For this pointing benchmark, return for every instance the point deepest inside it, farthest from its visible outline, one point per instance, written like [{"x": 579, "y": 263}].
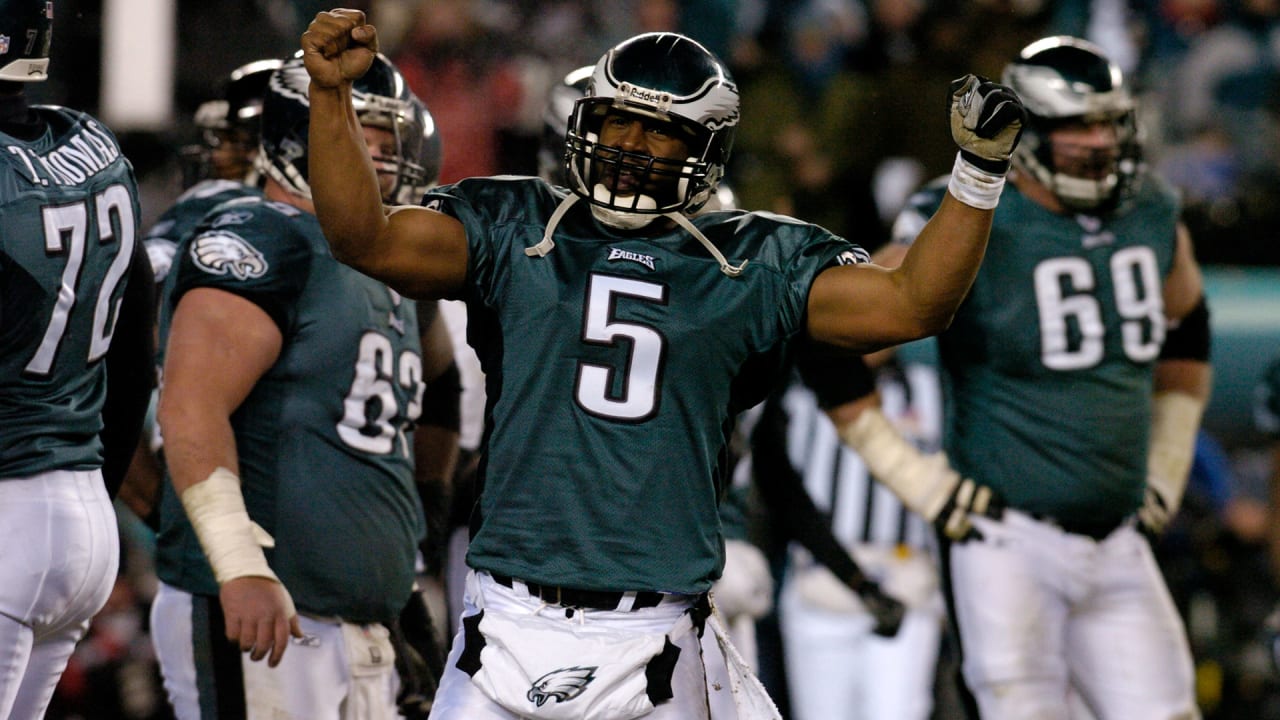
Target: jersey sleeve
[
  {"x": 251, "y": 250},
  {"x": 809, "y": 250}
]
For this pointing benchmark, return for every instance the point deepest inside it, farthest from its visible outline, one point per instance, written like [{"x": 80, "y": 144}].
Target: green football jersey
[
  {"x": 615, "y": 367},
  {"x": 326, "y": 460},
  {"x": 1048, "y": 364},
  {"x": 68, "y": 230},
  {"x": 162, "y": 238}
]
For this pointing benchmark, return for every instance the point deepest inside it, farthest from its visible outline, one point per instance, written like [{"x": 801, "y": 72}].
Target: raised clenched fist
[
  {"x": 986, "y": 121},
  {"x": 338, "y": 47}
]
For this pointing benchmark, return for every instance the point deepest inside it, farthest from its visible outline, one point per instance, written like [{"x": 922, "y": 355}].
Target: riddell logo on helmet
[{"x": 654, "y": 98}]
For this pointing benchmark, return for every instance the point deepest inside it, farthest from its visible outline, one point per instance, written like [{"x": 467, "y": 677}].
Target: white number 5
[{"x": 639, "y": 393}]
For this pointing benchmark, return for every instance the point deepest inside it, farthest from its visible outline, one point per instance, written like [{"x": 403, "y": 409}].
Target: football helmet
[
  {"x": 1064, "y": 80},
  {"x": 668, "y": 77},
  {"x": 229, "y": 126},
  {"x": 26, "y": 31},
  {"x": 381, "y": 99}
]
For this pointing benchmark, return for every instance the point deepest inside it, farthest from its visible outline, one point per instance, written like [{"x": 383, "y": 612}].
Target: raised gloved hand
[{"x": 986, "y": 122}]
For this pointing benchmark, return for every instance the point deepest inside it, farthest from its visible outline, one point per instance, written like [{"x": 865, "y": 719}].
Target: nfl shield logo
[{"x": 4, "y": 44}]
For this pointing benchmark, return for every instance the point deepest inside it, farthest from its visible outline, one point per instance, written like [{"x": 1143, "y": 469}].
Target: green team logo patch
[{"x": 225, "y": 253}]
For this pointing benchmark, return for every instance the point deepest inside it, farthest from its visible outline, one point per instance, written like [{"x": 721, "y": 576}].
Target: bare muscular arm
[{"x": 419, "y": 252}]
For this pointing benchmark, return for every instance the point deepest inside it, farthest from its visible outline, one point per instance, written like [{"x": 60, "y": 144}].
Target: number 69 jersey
[
  {"x": 615, "y": 366},
  {"x": 68, "y": 224},
  {"x": 1049, "y": 362},
  {"x": 326, "y": 462}
]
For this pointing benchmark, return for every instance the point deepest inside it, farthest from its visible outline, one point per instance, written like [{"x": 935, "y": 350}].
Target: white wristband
[
  {"x": 1175, "y": 422},
  {"x": 232, "y": 542},
  {"x": 922, "y": 482},
  {"x": 974, "y": 186}
]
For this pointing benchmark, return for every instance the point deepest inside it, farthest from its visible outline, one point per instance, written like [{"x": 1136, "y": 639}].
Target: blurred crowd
[{"x": 845, "y": 119}]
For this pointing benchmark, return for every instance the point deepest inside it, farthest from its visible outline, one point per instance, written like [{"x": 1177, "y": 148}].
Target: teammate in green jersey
[
  {"x": 620, "y": 334},
  {"x": 291, "y": 389},
  {"x": 75, "y": 360},
  {"x": 220, "y": 169},
  {"x": 1075, "y": 374}
]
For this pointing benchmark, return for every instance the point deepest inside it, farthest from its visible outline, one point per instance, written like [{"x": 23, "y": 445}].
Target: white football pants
[
  {"x": 458, "y": 698},
  {"x": 837, "y": 669},
  {"x": 329, "y": 674},
  {"x": 61, "y": 553},
  {"x": 1040, "y": 609}
]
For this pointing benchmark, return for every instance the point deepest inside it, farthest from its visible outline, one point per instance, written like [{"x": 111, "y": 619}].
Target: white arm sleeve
[
  {"x": 1175, "y": 422},
  {"x": 924, "y": 483}
]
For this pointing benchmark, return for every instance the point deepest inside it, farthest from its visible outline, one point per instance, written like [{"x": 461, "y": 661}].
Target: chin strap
[
  {"x": 725, "y": 267},
  {"x": 544, "y": 246}
]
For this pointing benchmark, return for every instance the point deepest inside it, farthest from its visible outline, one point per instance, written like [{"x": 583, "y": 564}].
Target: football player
[
  {"x": 620, "y": 334},
  {"x": 744, "y": 592},
  {"x": 1076, "y": 374},
  {"x": 220, "y": 168},
  {"x": 75, "y": 308},
  {"x": 290, "y": 390}
]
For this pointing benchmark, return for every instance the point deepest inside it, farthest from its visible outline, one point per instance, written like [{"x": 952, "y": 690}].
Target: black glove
[
  {"x": 417, "y": 688},
  {"x": 886, "y": 609},
  {"x": 986, "y": 121},
  {"x": 419, "y": 658},
  {"x": 1153, "y": 516}
]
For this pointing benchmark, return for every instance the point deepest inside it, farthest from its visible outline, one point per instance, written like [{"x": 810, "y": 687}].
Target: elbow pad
[
  {"x": 1190, "y": 338},
  {"x": 836, "y": 376},
  {"x": 442, "y": 400}
]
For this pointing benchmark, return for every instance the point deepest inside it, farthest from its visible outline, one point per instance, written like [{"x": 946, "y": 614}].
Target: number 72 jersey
[{"x": 68, "y": 226}]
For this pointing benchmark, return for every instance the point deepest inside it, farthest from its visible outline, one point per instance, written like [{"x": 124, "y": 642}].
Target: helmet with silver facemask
[
  {"x": 665, "y": 77},
  {"x": 1063, "y": 80}
]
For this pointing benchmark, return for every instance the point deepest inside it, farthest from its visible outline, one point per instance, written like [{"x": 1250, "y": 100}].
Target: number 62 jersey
[
  {"x": 323, "y": 441},
  {"x": 68, "y": 225}
]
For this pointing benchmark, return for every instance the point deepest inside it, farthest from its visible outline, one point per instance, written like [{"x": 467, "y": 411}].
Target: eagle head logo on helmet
[{"x": 381, "y": 98}]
